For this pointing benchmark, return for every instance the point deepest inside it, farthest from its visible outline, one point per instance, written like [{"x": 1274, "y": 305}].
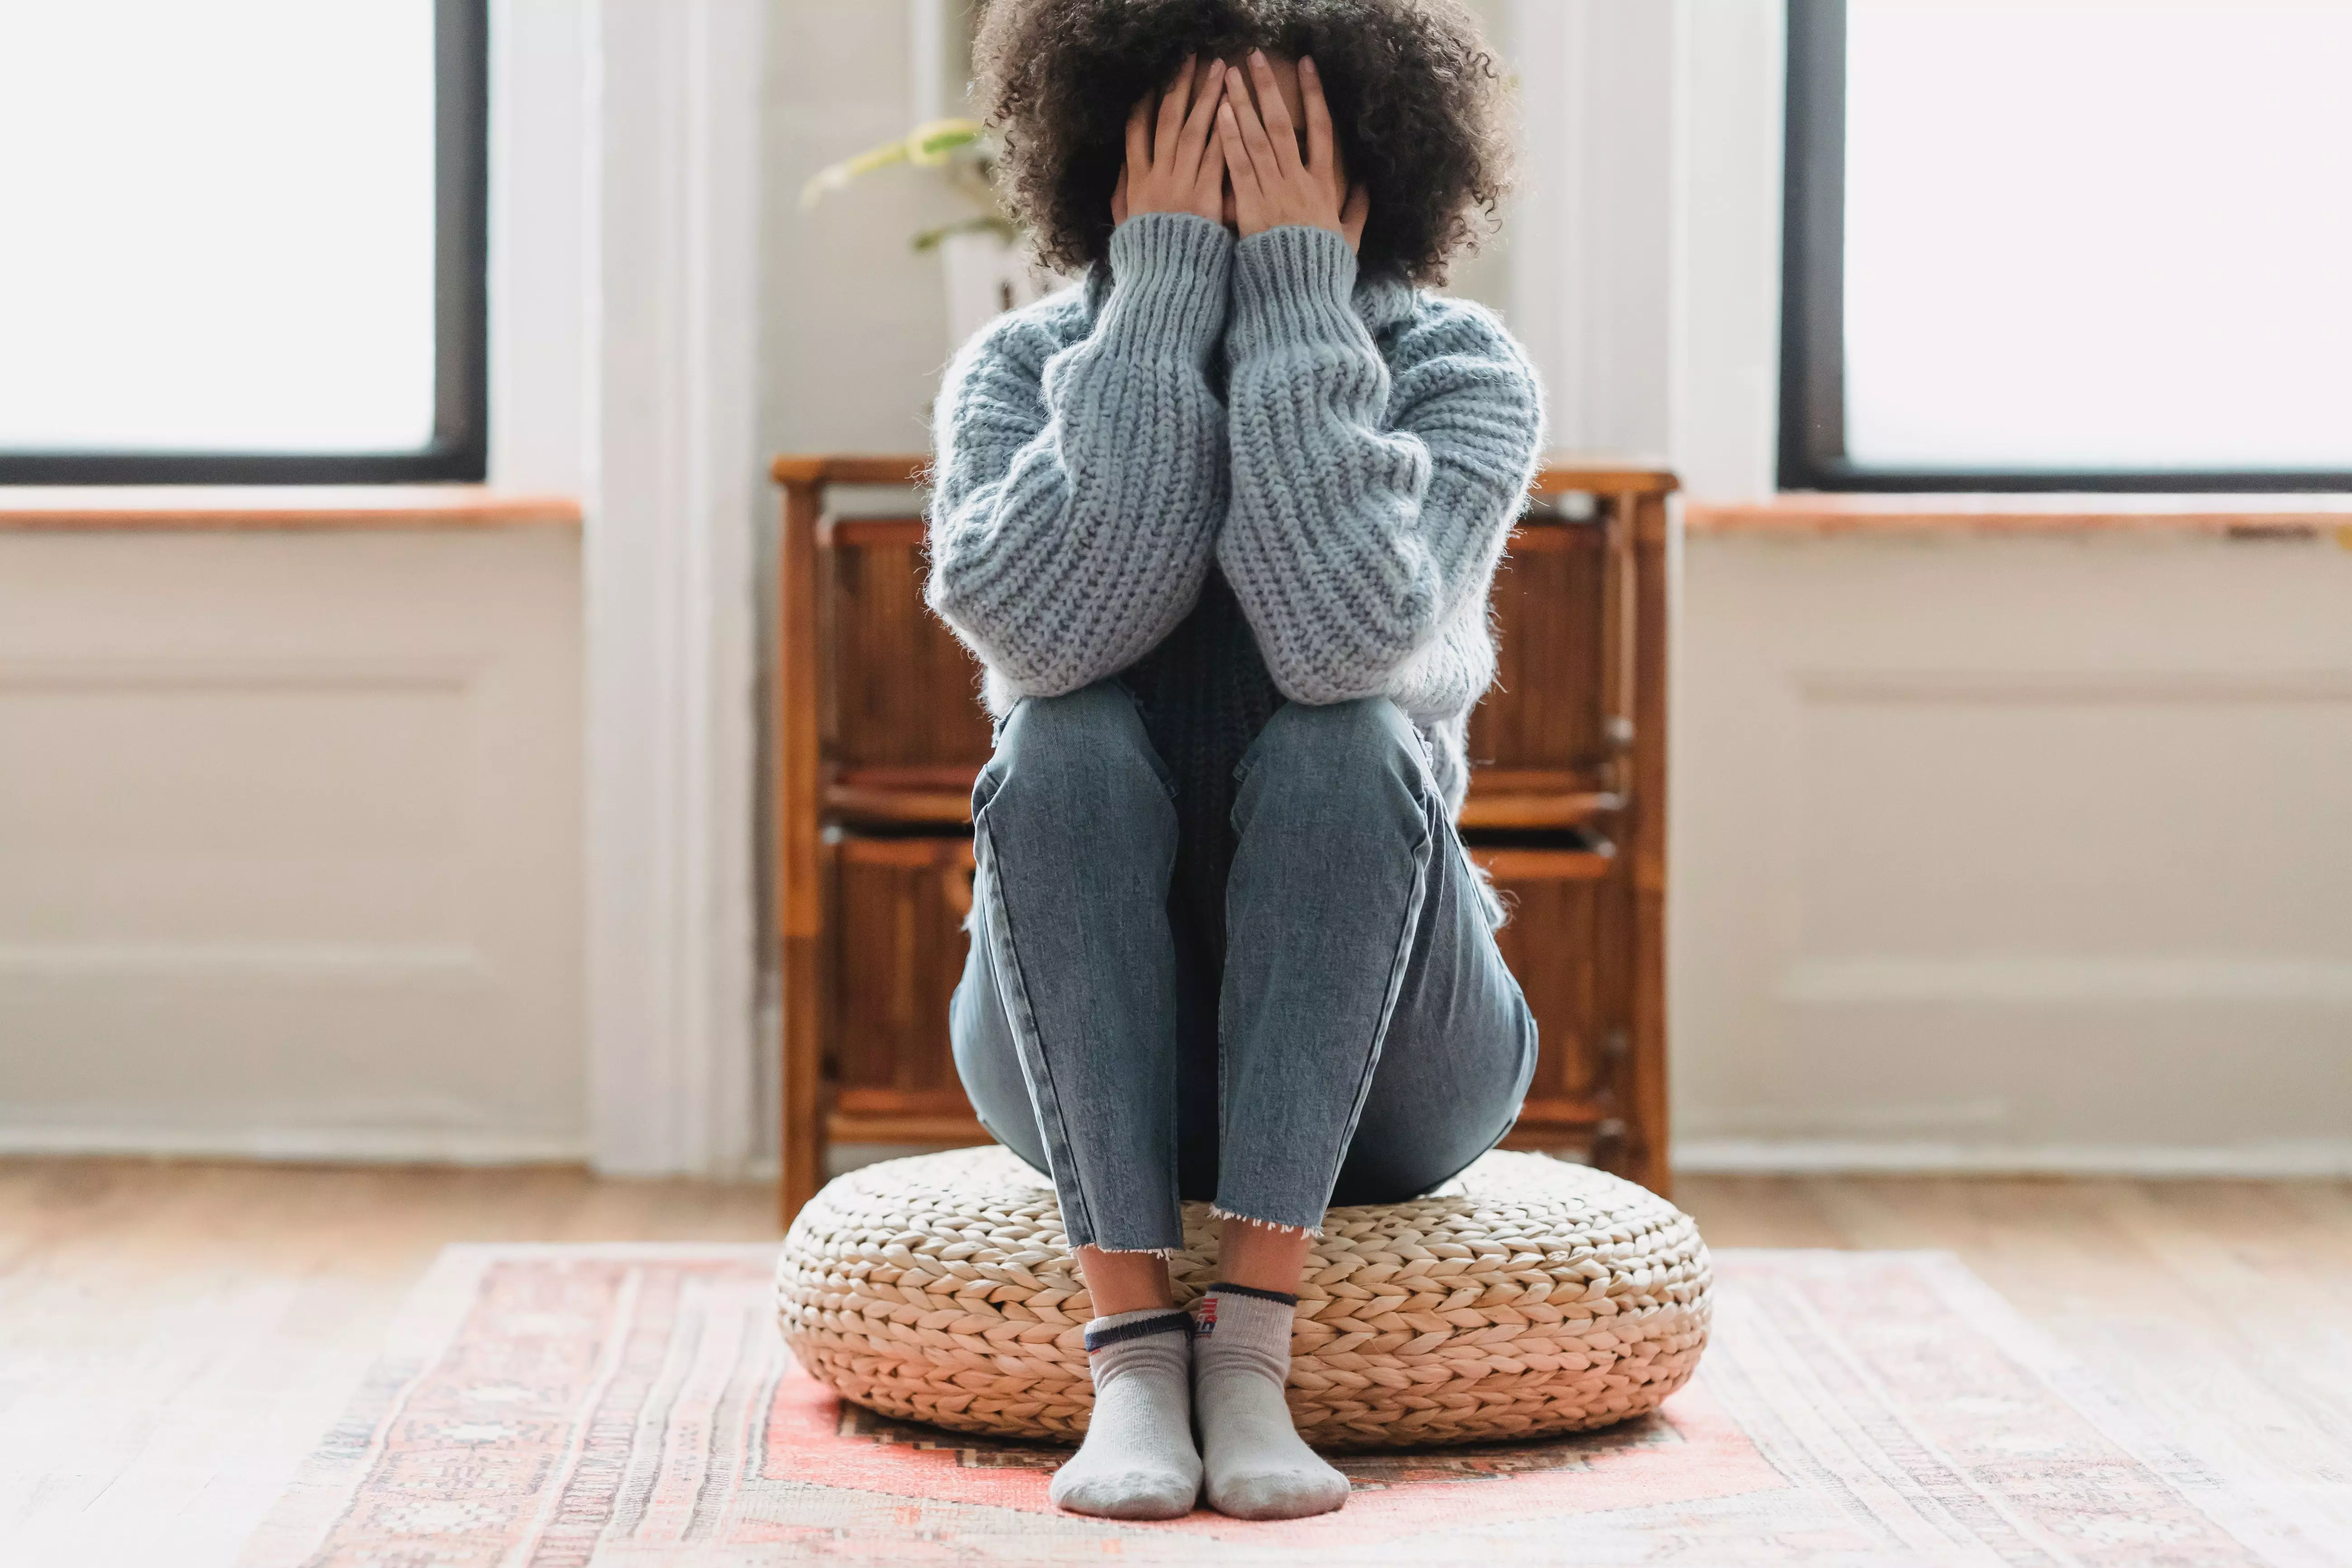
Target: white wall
[
  {"x": 852, "y": 331},
  {"x": 1724, "y": 252},
  {"x": 1988, "y": 852},
  {"x": 672, "y": 186},
  {"x": 1643, "y": 243},
  {"x": 289, "y": 837},
  {"x": 2015, "y": 853},
  {"x": 1591, "y": 225},
  {"x": 582, "y": 729},
  {"x": 291, "y": 821}
]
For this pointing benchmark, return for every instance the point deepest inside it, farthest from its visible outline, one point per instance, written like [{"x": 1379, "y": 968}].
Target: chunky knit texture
[{"x": 1349, "y": 452}]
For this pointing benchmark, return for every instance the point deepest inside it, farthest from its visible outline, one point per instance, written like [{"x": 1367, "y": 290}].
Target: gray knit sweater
[{"x": 1348, "y": 453}]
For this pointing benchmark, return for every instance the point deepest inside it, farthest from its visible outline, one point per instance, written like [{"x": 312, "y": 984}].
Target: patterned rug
[{"x": 603, "y": 1406}]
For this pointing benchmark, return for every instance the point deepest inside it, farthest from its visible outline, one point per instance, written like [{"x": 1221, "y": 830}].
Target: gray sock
[
  {"x": 1137, "y": 1461},
  {"x": 1258, "y": 1467}
]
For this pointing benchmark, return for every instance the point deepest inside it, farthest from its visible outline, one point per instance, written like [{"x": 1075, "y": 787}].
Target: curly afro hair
[{"x": 1419, "y": 103}]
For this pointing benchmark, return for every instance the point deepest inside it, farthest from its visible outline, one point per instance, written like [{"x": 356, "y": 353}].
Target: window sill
[
  {"x": 181, "y": 509},
  {"x": 1806, "y": 514}
]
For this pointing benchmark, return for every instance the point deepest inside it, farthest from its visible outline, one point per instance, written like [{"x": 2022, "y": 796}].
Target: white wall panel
[
  {"x": 290, "y": 842},
  {"x": 2024, "y": 852}
]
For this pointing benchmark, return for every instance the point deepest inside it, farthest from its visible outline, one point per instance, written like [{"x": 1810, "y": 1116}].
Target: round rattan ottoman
[{"x": 1526, "y": 1297}]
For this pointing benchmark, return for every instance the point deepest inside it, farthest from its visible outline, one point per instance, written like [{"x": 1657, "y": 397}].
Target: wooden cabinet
[{"x": 880, "y": 732}]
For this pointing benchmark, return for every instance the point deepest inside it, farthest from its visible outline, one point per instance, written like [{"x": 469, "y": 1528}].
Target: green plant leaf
[{"x": 927, "y": 145}]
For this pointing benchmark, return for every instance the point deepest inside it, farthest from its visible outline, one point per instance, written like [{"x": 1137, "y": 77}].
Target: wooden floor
[{"x": 175, "y": 1337}]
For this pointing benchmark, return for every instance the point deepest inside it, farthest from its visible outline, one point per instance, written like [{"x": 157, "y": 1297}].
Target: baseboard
[
  {"x": 2285, "y": 1158},
  {"x": 311, "y": 1145}
]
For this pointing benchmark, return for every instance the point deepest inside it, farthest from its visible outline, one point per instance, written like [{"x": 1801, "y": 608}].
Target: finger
[
  {"x": 1173, "y": 104},
  {"x": 1318, "y": 119},
  {"x": 1119, "y": 200},
  {"x": 1238, "y": 168},
  {"x": 1203, "y": 117},
  {"x": 1281, "y": 135},
  {"x": 1257, "y": 149},
  {"x": 1198, "y": 124},
  {"x": 1208, "y": 181},
  {"x": 1352, "y": 216},
  {"x": 1139, "y": 145}
]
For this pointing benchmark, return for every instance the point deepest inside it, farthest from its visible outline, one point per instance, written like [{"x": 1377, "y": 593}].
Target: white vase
[{"x": 986, "y": 277}]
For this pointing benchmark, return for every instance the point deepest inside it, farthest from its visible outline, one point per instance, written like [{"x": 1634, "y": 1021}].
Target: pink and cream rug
[{"x": 633, "y": 1407}]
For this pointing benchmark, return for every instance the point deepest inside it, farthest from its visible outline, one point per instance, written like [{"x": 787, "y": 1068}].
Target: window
[
  {"x": 2068, "y": 244},
  {"x": 245, "y": 241}
]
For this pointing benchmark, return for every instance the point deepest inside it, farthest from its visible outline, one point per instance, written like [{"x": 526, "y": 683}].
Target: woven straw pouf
[{"x": 1526, "y": 1297}]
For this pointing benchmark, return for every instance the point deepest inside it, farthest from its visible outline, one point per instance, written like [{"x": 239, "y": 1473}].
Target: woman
[{"x": 1221, "y": 525}]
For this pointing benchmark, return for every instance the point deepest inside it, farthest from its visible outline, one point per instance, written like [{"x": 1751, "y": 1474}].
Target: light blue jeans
[{"x": 1362, "y": 1040}]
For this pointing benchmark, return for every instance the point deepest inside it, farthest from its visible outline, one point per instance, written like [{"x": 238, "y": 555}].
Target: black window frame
[
  {"x": 459, "y": 446},
  {"x": 1812, "y": 312}
]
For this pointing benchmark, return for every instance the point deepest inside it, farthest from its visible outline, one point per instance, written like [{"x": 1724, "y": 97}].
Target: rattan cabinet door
[
  {"x": 901, "y": 701},
  {"x": 1566, "y": 942},
  {"x": 1544, "y": 723},
  {"x": 898, "y": 951}
]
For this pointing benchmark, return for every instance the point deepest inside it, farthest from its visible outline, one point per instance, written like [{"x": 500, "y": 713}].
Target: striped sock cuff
[
  {"x": 1224, "y": 1289},
  {"x": 1172, "y": 1321}
]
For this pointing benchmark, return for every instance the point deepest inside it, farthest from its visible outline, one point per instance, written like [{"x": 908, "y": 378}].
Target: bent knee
[
  {"x": 1090, "y": 715},
  {"x": 1331, "y": 746},
  {"x": 1083, "y": 750}
]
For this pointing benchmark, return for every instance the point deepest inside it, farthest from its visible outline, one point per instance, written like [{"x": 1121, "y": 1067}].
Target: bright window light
[
  {"x": 2099, "y": 234},
  {"x": 219, "y": 226}
]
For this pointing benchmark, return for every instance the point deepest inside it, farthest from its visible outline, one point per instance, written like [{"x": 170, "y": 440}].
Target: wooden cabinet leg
[
  {"x": 1652, "y": 560},
  {"x": 804, "y": 1129},
  {"x": 800, "y": 895}
]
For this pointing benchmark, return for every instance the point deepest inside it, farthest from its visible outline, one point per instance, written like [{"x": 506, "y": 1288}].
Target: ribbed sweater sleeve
[
  {"x": 1366, "y": 507},
  {"x": 1077, "y": 487}
]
